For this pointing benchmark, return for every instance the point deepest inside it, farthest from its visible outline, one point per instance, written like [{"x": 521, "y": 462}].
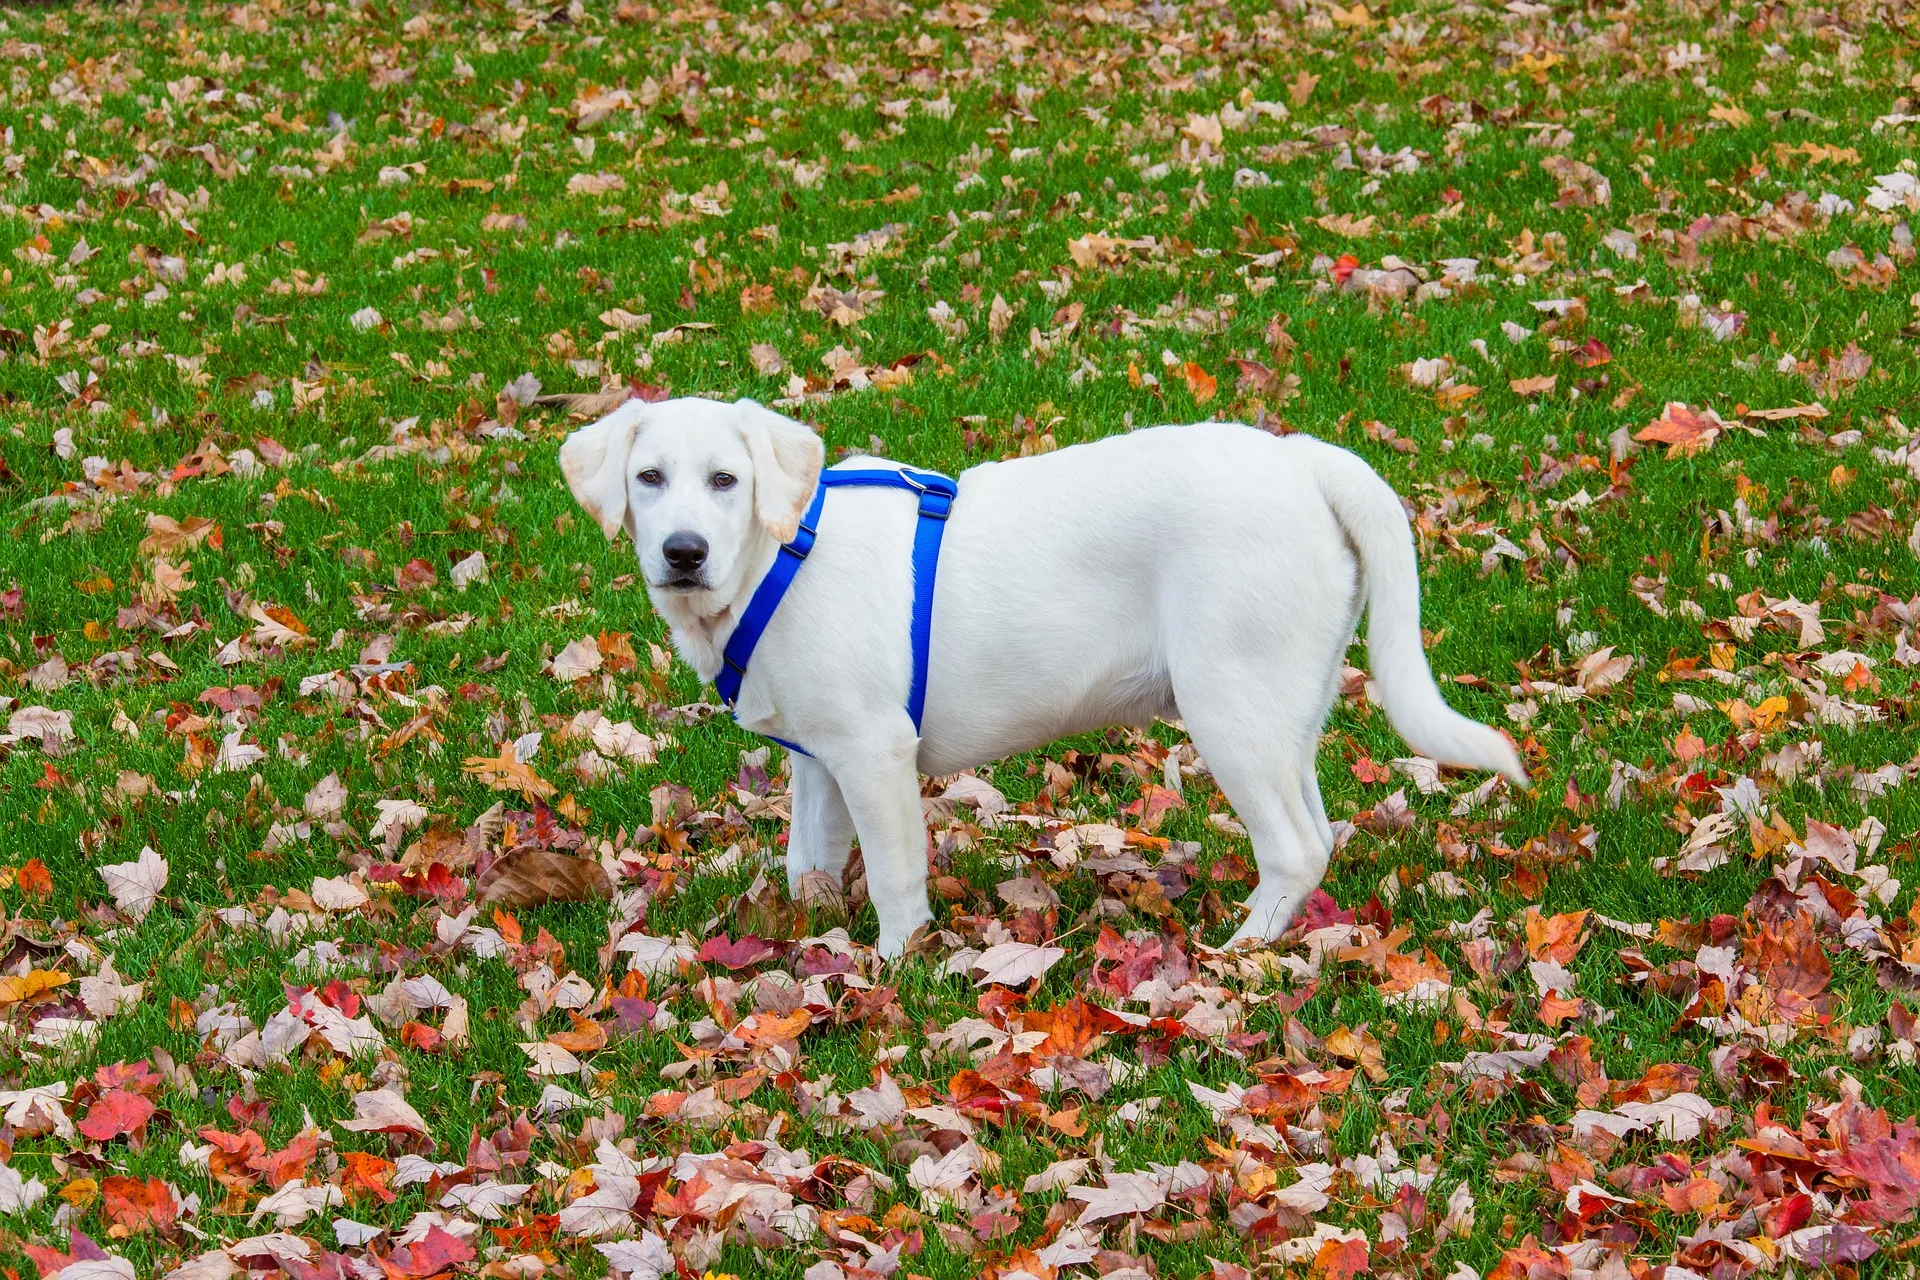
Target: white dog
[{"x": 1213, "y": 572}]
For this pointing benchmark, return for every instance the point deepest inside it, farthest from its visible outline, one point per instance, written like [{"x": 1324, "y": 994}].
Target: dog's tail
[{"x": 1370, "y": 514}]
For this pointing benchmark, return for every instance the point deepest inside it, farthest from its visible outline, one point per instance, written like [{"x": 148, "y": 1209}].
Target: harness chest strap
[{"x": 936, "y": 494}]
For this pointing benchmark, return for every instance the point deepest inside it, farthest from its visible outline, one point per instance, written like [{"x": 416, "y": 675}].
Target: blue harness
[{"x": 936, "y": 501}]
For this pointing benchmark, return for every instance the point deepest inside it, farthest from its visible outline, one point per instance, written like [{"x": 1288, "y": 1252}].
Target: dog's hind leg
[
  {"x": 1258, "y": 734},
  {"x": 821, "y": 838}
]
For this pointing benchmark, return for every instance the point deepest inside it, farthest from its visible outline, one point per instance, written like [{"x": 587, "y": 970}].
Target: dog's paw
[
  {"x": 895, "y": 942},
  {"x": 1266, "y": 920}
]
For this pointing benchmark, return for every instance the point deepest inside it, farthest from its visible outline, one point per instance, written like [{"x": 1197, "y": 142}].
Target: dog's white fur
[{"x": 1210, "y": 572}]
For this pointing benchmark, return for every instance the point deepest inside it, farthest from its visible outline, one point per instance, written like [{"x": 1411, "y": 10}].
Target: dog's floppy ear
[
  {"x": 594, "y": 461},
  {"x": 787, "y": 457}
]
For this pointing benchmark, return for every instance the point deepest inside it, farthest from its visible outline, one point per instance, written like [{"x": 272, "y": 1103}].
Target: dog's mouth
[{"x": 684, "y": 584}]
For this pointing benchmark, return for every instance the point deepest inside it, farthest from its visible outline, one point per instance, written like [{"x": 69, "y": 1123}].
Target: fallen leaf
[
  {"x": 1014, "y": 964},
  {"x": 136, "y": 885},
  {"x": 530, "y": 877},
  {"x": 383, "y": 1111},
  {"x": 1124, "y": 1194},
  {"x": 116, "y": 1114}
]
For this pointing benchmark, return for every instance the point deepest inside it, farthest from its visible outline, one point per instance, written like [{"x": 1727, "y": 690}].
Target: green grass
[{"x": 1072, "y": 121}]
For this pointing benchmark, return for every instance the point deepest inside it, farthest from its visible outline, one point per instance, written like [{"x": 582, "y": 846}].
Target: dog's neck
[{"x": 701, "y": 622}]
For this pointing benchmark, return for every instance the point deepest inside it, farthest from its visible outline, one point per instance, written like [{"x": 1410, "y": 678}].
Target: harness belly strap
[{"x": 936, "y": 493}]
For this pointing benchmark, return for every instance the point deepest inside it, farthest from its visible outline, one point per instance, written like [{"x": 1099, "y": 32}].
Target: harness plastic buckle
[
  {"x": 936, "y": 493},
  {"x": 801, "y": 543}
]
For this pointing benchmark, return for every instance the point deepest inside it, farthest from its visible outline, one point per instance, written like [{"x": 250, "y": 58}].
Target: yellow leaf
[
  {"x": 1537, "y": 65},
  {"x": 1735, "y": 116},
  {"x": 35, "y": 982},
  {"x": 1357, "y": 17},
  {"x": 1359, "y": 1048},
  {"x": 505, "y": 773}
]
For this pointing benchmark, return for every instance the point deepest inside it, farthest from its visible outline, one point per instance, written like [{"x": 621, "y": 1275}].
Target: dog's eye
[
  {"x": 652, "y": 478},
  {"x": 723, "y": 480}
]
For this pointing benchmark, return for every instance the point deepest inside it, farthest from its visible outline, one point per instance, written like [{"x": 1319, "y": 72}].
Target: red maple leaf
[
  {"x": 1153, "y": 805},
  {"x": 1320, "y": 911},
  {"x": 436, "y": 1252},
  {"x": 724, "y": 951},
  {"x": 528, "y": 1236},
  {"x": 418, "y": 1035},
  {"x": 342, "y": 997},
  {"x": 290, "y": 1162},
  {"x": 251, "y": 1114},
  {"x": 117, "y": 1113},
  {"x": 50, "y": 1261},
  {"x": 1370, "y": 771},
  {"x": 34, "y": 879},
  {"x": 136, "y": 1077},
  {"x": 1132, "y": 962}
]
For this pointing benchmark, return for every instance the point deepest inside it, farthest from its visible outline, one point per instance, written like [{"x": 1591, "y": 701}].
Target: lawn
[{"x": 316, "y": 681}]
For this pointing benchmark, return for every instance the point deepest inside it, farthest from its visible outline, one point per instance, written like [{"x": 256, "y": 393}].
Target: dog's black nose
[{"x": 685, "y": 552}]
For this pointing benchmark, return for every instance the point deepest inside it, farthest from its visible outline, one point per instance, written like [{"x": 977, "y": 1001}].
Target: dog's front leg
[
  {"x": 822, "y": 834},
  {"x": 880, "y": 785}
]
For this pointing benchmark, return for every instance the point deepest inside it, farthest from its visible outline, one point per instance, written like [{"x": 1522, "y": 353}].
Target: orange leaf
[
  {"x": 588, "y": 1036},
  {"x": 135, "y": 1205},
  {"x": 1341, "y": 1259},
  {"x": 1557, "y": 938},
  {"x": 1684, "y": 431},
  {"x": 418, "y": 1035},
  {"x": 1201, "y": 384},
  {"x": 34, "y": 879},
  {"x": 362, "y": 1173}
]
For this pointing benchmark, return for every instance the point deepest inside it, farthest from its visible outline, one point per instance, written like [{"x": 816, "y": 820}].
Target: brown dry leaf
[
  {"x": 1360, "y": 1048},
  {"x": 1345, "y": 224},
  {"x": 1301, "y": 89},
  {"x": 167, "y": 536},
  {"x": 766, "y": 359},
  {"x": 170, "y": 582},
  {"x": 531, "y": 877},
  {"x": 1097, "y": 251},
  {"x": 1533, "y": 386},
  {"x": 757, "y": 300},
  {"x": 1814, "y": 410}
]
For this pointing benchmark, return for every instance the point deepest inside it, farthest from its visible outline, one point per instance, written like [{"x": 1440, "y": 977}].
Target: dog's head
[{"x": 697, "y": 484}]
